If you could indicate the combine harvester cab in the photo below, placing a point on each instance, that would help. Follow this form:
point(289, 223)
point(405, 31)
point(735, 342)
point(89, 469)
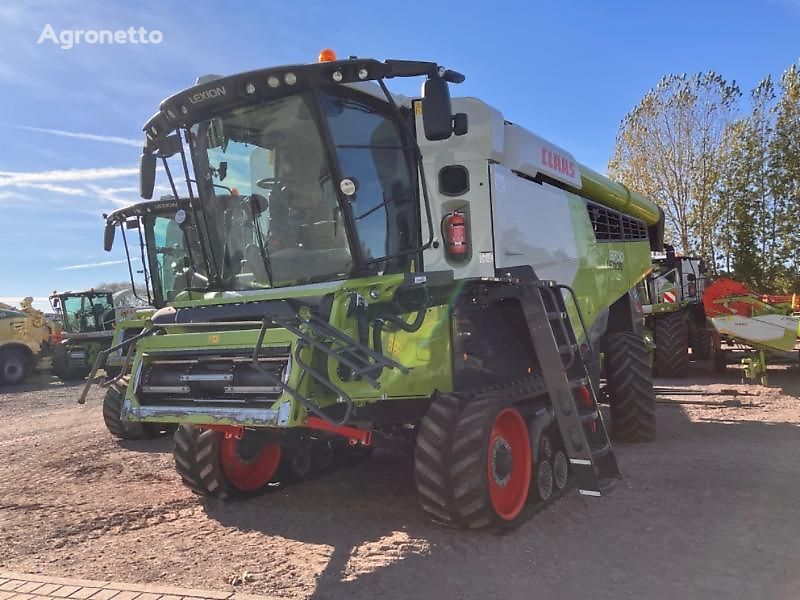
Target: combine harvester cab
point(757, 326)
point(163, 250)
point(674, 312)
point(372, 269)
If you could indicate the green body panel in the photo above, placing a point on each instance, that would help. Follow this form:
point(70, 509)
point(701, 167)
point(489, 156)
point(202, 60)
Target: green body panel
point(667, 307)
point(617, 196)
point(606, 270)
point(426, 352)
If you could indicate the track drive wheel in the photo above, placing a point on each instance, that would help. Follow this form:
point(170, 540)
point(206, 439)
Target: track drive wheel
point(630, 388)
point(212, 463)
point(472, 462)
point(672, 345)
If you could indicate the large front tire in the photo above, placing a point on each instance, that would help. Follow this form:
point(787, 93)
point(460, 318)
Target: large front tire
point(472, 462)
point(212, 463)
point(14, 366)
point(112, 409)
point(671, 333)
point(702, 344)
point(630, 388)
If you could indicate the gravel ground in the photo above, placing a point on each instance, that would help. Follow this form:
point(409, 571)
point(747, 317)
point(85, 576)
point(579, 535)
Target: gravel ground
point(709, 510)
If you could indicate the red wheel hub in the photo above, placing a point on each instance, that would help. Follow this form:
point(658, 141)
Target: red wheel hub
point(248, 464)
point(509, 464)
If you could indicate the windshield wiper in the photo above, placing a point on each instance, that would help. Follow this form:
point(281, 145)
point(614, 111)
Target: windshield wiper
point(261, 246)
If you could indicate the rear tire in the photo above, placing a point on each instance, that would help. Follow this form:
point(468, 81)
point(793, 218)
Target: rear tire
point(211, 464)
point(702, 344)
point(630, 388)
point(112, 408)
point(472, 462)
point(14, 366)
point(671, 333)
point(61, 369)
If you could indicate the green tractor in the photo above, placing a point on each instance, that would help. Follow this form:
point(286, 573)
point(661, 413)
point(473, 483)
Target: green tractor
point(88, 319)
point(374, 269)
point(672, 296)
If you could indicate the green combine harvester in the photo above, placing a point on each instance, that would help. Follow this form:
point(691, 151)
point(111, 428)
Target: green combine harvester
point(372, 269)
point(163, 253)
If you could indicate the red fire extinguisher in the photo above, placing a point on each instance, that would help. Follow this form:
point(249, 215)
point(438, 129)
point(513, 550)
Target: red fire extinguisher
point(454, 231)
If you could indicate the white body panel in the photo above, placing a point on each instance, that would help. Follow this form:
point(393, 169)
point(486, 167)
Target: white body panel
point(491, 140)
point(778, 331)
point(532, 226)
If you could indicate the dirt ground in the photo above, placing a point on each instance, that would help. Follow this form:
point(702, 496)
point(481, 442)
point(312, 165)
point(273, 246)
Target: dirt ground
point(710, 510)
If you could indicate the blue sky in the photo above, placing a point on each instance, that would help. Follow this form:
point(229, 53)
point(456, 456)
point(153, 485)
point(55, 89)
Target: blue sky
point(567, 70)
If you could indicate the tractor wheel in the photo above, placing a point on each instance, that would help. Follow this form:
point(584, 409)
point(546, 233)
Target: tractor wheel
point(61, 369)
point(212, 463)
point(672, 345)
point(472, 462)
point(125, 430)
point(14, 366)
point(630, 388)
point(702, 344)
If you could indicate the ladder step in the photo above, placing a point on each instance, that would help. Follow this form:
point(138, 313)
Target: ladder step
point(568, 348)
point(589, 417)
point(557, 316)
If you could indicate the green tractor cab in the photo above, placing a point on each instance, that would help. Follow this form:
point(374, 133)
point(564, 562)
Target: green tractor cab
point(88, 319)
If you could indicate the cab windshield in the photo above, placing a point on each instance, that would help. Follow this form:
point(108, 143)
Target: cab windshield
point(270, 197)
point(87, 313)
point(174, 256)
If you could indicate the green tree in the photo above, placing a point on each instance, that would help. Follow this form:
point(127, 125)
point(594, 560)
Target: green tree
point(668, 148)
point(784, 157)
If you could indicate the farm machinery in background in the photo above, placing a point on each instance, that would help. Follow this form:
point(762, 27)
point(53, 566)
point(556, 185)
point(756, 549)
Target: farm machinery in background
point(674, 312)
point(26, 338)
point(752, 327)
point(88, 319)
point(363, 268)
point(163, 250)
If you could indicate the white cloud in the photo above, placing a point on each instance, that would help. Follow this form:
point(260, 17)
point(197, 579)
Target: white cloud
point(104, 263)
point(111, 139)
point(8, 178)
point(56, 189)
point(122, 196)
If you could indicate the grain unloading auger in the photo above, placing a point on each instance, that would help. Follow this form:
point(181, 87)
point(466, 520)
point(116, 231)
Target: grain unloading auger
point(373, 269)
point(769, 325)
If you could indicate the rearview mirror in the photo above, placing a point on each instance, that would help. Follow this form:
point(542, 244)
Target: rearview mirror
point(147, 175)
point(108, 236)
point(437, 111)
